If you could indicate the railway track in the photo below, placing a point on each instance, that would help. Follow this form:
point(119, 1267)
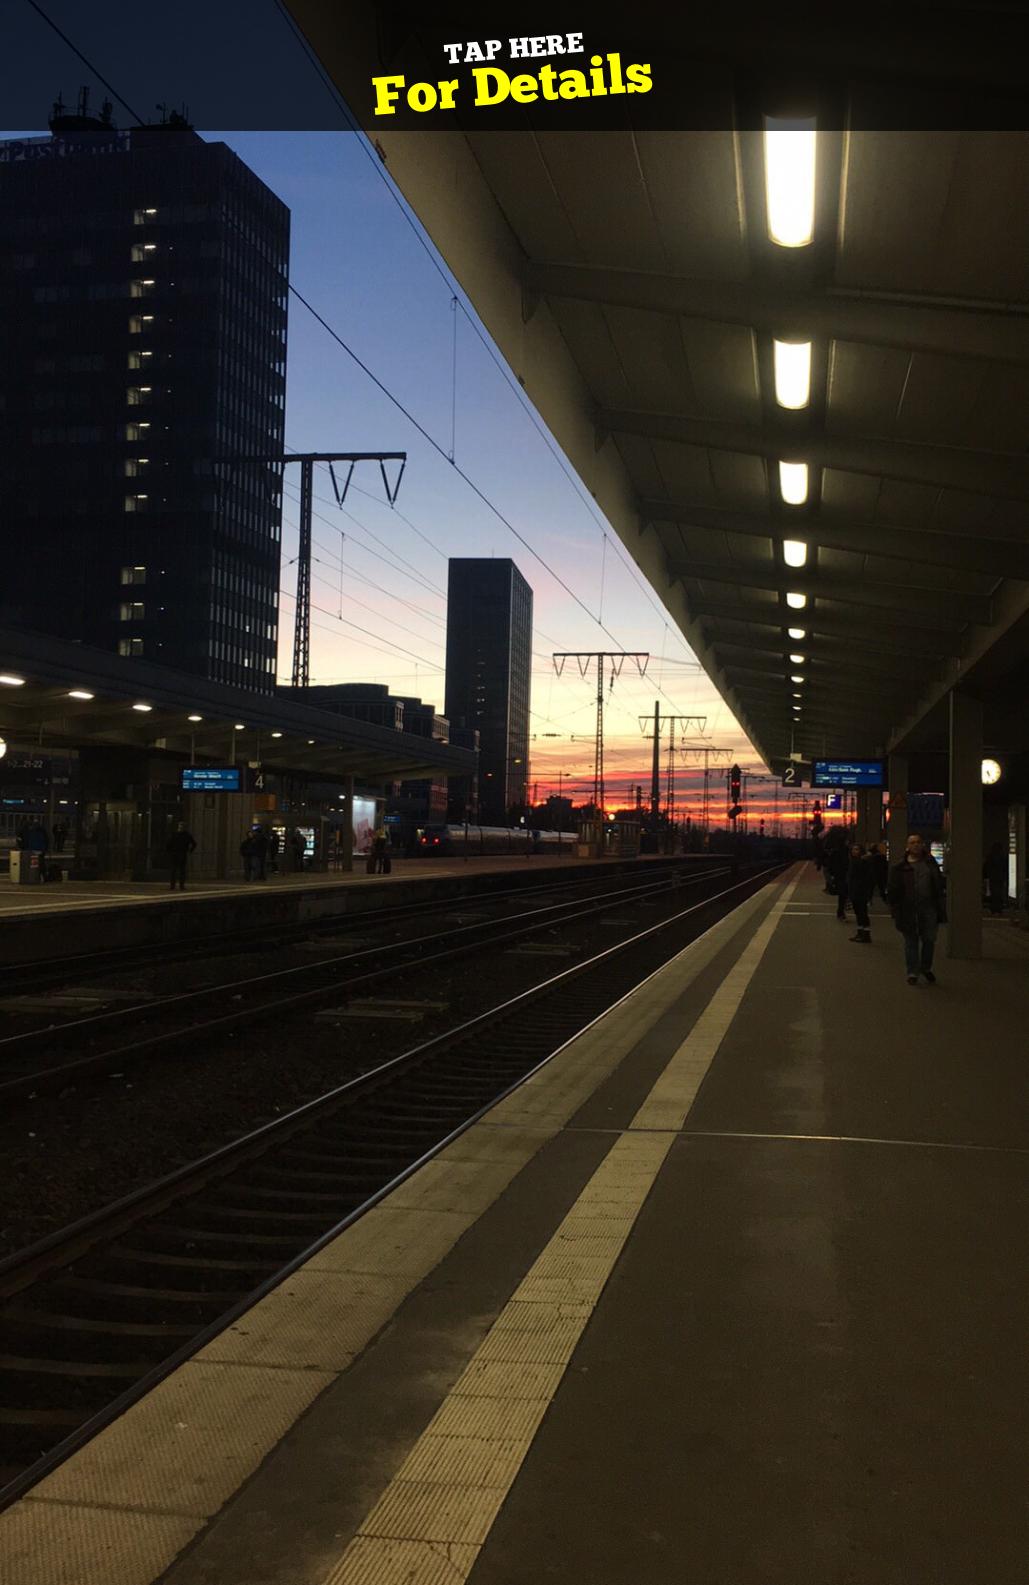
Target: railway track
point(81, 967)
point(94, 1316)
point(52, 1057)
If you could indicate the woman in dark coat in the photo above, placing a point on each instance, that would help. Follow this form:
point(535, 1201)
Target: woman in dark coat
point(860, 886)
point(916, 898)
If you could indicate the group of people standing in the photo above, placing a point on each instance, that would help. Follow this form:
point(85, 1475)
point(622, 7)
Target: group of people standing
point(260, 851)
point(913, 890)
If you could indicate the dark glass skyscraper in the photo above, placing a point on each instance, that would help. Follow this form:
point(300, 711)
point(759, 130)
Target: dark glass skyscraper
point(489, 668)
point(143, 293)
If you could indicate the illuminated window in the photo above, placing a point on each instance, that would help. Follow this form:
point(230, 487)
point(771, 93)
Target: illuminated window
point(136, 465)
point(131, 611)
point(138, 431)
point(139, 360)
point(133, 575)
point(141, 216)
point(141, 288)
point(136, 503)
point(130, 646)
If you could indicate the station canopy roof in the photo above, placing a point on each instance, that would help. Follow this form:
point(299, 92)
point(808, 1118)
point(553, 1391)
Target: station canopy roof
point(630, 281)
point(44, 681)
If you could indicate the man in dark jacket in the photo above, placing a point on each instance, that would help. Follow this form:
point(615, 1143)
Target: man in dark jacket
point(916, 898)
point(178, 847)
point(860, 886)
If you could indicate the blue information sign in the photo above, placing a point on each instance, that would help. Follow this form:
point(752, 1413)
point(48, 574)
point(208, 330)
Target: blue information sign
point(847, 773)
point(210, 778)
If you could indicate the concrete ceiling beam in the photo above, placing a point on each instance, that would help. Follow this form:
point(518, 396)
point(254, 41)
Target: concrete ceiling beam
point(1003, 474)
point(914, 323)
point(972, 552)
point(953, 605)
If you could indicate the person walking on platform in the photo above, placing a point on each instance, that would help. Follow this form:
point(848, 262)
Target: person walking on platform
point(60, 835)
point(248, 853)
point(995, 874)
point(298, 842)
point(880, 869)
point(261, 852)
point(178, 847)
point(380, 846)
point(860, 885)
point(916, 897)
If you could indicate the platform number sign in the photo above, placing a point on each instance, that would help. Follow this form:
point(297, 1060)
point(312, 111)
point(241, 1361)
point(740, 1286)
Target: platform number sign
point(790, 777)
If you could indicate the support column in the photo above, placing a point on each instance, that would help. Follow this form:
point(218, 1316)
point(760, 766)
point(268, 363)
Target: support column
point(898, 826)
point(348, 823)
point(965, 862)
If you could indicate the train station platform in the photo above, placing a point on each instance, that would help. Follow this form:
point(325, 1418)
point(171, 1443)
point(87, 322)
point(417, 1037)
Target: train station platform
point(52, 919)
point(733, 1291)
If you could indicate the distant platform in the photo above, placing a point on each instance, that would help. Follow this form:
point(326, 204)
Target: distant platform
point(141, 911)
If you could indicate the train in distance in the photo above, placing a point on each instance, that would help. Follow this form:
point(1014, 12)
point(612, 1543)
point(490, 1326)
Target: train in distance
point(455, 841)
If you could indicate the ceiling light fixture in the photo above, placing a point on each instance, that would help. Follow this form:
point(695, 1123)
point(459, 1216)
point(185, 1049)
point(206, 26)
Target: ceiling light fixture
point(797, 632)
point(792, 362)
point(9, 680)
point(793, 483)
point(276, 734)
point(798, 660)
point(794, 552)
point(239, 727)
point(80, 693)
point(196, 718)
point(144, 709)
point(790, 180)
point(796, 679)
point(795, 601)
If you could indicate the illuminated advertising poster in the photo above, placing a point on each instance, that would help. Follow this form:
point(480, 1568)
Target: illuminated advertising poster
point(364, 824)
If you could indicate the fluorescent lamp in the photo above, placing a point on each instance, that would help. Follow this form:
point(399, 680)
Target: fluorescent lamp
point(276, 734)
point(796, 601)
point(792, 362)
point(794, 552)
point(196, 718)
point(80, 693)
point(790, 180)
point(144, 709)
point(10, 681)
point(796, 679)
point(797, 632)
point(240, 727)
point(798, 696)
point(793, 482)
point(310, 742)
point(798, 660)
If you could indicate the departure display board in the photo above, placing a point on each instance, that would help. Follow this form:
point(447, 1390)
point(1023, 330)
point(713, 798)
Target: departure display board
point(847, 773)
point(210, 778)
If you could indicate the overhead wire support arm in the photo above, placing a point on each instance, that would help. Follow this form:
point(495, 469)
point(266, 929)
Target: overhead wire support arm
point(617, 657)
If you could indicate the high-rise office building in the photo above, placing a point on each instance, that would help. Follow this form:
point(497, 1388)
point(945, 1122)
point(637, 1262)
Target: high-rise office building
point(143, 294)
point(489, 667)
